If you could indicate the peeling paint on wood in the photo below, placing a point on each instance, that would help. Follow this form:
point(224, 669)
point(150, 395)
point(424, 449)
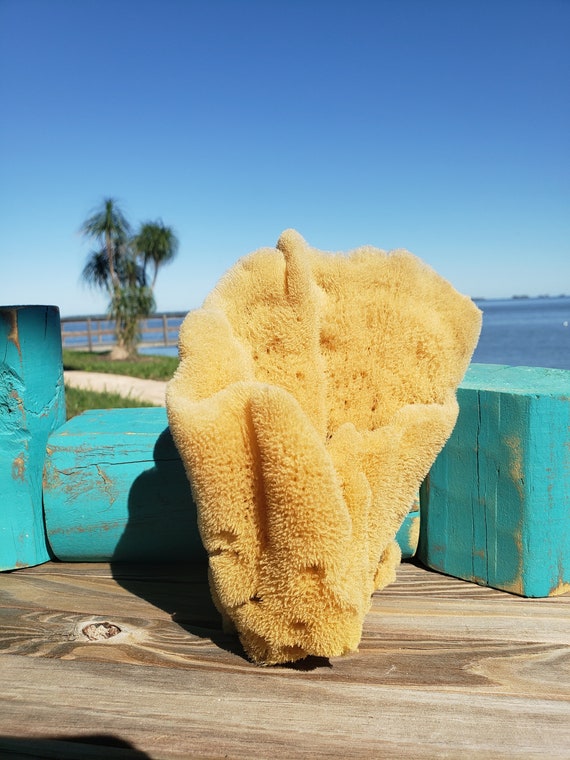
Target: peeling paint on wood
point(10, 316)
point(18, 468)
point(31, 406)
point(495, 508)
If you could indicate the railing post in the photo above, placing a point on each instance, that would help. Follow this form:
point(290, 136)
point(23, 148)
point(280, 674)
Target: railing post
point(89, 336)
point(165, 329)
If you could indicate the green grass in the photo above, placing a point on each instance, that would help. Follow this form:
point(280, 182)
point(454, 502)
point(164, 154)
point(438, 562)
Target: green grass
point(148, 367)
point(78, 400)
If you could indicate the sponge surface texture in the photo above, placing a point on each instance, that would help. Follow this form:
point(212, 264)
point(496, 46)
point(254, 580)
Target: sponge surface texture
point(313, 394)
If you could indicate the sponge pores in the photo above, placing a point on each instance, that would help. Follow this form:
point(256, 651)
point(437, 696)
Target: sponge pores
point(313, 393)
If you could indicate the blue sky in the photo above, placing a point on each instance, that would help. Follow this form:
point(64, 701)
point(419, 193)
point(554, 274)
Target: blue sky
point(440, 126)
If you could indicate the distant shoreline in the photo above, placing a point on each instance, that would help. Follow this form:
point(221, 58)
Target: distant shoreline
point(522, 297)
point(181, 314)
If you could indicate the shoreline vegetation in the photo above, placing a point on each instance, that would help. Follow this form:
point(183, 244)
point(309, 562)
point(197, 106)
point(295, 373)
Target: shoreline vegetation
point(147, 367)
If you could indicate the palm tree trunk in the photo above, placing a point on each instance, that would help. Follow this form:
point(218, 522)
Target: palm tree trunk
point(111, 258)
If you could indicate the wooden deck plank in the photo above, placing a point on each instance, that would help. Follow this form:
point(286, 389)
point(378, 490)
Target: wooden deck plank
point(445, 669)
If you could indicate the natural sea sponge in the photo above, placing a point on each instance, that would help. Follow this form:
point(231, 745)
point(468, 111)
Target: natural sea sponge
point(314, 392)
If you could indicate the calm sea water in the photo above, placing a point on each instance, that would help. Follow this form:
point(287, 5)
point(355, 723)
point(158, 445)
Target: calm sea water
point(531, 332)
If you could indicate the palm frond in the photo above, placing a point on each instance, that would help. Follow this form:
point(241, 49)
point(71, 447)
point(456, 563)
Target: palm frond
point(96, 271)
point(157, 244)
point(108, 220)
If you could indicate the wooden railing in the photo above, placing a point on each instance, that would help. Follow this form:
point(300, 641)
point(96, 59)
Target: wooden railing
point(96, 333)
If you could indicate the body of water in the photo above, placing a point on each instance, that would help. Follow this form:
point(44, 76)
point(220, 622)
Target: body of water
point(529, 332)
point(525, 332)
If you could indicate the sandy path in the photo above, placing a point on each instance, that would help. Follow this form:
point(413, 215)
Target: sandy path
point(151, 391)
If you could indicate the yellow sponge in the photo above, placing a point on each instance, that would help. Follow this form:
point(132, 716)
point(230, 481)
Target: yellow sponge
point(314, 392)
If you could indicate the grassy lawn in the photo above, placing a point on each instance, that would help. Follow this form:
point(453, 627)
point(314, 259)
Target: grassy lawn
point(147, 367)
point(78, 400)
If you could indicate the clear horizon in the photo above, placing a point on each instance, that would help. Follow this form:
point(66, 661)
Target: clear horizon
point(438, 127)
point(477, 299)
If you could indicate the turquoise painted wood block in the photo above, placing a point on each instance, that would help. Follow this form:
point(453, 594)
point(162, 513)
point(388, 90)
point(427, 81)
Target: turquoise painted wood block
point(408, 534)
point(115, 490)
point(32, 405)
point(495, 508)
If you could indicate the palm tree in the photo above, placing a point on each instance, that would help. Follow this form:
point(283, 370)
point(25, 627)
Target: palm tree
point(157, 245)
point(114, 267)
point(110, 228)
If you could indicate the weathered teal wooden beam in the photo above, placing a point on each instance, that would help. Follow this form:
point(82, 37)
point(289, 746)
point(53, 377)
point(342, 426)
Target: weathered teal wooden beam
point(495, 508)
point(115, 489)
point(32, 405)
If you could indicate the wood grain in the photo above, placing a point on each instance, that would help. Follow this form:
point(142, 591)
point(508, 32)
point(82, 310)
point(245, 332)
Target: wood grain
point(445, 669)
